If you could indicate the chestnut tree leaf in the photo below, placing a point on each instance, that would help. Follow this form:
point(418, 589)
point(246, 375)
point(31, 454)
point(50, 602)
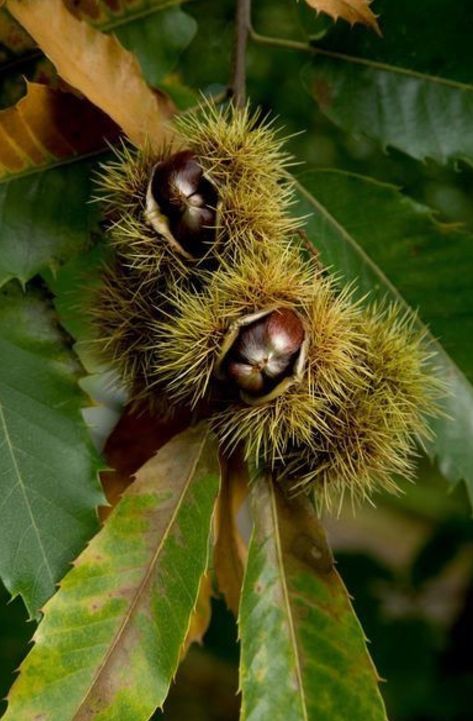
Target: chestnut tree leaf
point(303, 652)
point(45, 215)
point(354, 11)
point(410, 90)
point(98, 66)
point(230, 551)
point(111, 638)
point(47, 126)
point(45, 219)
point(155, 30)
point(49, 485)
point(393, 247)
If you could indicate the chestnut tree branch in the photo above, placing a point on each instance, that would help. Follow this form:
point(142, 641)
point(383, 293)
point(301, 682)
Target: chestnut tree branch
point(242, 26)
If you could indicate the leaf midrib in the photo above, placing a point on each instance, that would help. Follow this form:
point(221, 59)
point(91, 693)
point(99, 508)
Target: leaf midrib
point(380, 274)
point(140, 590)
point(105, 27)
point(386, 67)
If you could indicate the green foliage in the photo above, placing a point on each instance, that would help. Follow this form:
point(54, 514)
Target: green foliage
point(109, 645)
point(37, 231)
point(49, 485)
point(303, 653)
point(111, 638)
point(392, 247)
point(410, 89)
point(16, 633)
point(158, 41)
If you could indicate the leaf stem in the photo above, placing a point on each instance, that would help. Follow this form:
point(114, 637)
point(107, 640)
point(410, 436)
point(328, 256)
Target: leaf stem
point(280, 42)
point(242, 28)
point(287, 44)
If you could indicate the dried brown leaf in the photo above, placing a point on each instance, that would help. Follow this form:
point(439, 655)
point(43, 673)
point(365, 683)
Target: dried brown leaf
point(49, 125)
point(354, 11)
point(98, 66)
point(135, 439)
point(230, 550)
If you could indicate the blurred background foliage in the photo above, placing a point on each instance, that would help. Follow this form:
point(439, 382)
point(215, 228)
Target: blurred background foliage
point(409, 562)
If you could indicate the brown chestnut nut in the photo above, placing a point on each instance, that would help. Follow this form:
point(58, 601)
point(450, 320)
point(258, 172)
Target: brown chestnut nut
point(181, 204)
point(264, 353)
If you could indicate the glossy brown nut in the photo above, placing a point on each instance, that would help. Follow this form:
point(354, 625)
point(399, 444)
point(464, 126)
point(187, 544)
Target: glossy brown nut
point(264, 351)
point(181, 197)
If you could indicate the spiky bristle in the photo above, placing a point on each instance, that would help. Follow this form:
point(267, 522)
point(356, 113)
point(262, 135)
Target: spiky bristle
point(332, 321)
point(374, 430)
point(244, 156)
point(190, 340)
point(347, 422)
point(240, 153)
point(122, 312)
point(121, 189)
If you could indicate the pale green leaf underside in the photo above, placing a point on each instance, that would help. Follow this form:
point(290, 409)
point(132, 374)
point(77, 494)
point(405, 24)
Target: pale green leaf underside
point(49, 487)
point(110, 640)
point(424, 116)
point(391, 247)
point(303, 653)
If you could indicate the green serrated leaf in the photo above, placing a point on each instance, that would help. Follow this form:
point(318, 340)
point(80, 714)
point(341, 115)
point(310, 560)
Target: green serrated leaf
point(410, 89)
point(110, 641)
point(15, 42)
point(392, 247)
point(44, 219)
point(49, 487)
point(303, 653)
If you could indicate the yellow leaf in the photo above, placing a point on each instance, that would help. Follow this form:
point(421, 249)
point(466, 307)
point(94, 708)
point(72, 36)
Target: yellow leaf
point(354, 11)
point(98, 66)
point(47, 126)
point(230, 550)
point(200, 619)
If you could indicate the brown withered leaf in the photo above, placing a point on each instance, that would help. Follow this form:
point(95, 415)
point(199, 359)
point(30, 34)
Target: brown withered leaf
point(98, 66)
point(230, 550)
point(354, 11)
point(14, 41)
point(135, 439)
point(49, 125)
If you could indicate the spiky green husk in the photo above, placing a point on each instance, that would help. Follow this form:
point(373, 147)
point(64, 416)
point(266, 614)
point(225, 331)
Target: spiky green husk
point(244, 156)
point(123, 310)
point(245, 160)
point(331, 375)
point(241, 155)
point(121, 188)
point(373, 431)
point(350, 422)
point(190, 340)
point(190, 345)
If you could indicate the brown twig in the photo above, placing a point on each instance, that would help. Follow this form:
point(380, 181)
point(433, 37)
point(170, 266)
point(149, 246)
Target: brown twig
point(242, 26)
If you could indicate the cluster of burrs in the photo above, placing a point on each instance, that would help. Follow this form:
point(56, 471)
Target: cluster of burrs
point(209, 302)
